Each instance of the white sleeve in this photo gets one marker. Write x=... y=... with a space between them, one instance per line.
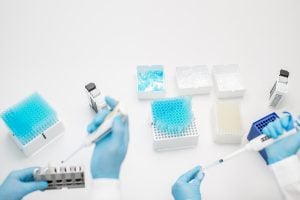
x=287 y=173
x=106 y=189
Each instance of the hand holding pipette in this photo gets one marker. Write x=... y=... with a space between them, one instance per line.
x=101 y=125
x=286 y=147
x=288 y=128
x=187 y=186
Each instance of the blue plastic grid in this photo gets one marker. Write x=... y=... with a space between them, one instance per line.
x=257 y=127
x=29 y=118
x=172 y=114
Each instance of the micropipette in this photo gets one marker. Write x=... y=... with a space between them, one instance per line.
x=102 y=130
x=257 y=144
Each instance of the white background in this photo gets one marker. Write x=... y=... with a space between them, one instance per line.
x=56 y=47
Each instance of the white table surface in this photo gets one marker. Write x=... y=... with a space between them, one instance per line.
x=56 y=47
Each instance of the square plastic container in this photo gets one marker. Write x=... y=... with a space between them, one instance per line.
x=165 y=141
x=150 y=81
x=228 y=82
x=41 y=141
x=32 y=124
x=193 y=80
x=257 y=127
x=227 y=122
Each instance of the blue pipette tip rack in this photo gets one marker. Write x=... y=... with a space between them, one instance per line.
x=173 y=124
x=30 y=121
x=172 y=114
x=257 y=127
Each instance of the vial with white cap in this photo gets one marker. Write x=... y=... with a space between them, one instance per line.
x=279 y=89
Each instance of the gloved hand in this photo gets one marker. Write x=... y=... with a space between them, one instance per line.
x=20 y=183
x=283 y=148
x=109 y=152
x=187 y=187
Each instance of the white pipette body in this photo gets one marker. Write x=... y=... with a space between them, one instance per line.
x=262 y=141
x=103 y=129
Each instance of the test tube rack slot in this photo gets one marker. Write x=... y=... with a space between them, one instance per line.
x=61 y=177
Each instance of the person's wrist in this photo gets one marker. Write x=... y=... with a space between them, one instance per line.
x=274 y=157
x=106 y=174
x=273 y=160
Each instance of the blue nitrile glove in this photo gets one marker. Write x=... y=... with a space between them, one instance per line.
x=20 y=183
x=110 y=151
x=187 y=187
x=283 y=148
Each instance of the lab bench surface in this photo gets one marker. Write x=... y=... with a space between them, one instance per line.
x=56 y=47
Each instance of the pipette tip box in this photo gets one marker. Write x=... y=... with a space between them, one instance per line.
x=227 y=122
x=150 y=81
x=33 y=124
x=257 y=127
x=192 y=80
x=228 y=81
x=173 y=112
x=59 y=177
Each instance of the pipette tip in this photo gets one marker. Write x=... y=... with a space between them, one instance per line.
x=72 y=154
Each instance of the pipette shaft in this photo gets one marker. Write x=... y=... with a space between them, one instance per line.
x=103 y=129
x=226 y=158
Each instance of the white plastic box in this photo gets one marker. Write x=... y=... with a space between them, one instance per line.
x=228 y=81
x=193 y=80
x=32 y=124
x=156 y=87
x=227 y=122
x=163 y=141
x=41 y=141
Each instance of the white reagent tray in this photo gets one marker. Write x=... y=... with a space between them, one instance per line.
x=227 y=123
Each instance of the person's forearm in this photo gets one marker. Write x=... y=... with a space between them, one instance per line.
x=106 y=189
x=287 y=173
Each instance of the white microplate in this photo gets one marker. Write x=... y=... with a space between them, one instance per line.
x=228 y=81
x=227 y=122
x=193 y=80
